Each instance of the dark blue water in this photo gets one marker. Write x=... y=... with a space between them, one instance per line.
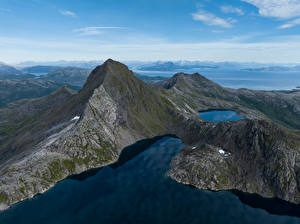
x=139 y=192
x=220 y=115
x=285 y=80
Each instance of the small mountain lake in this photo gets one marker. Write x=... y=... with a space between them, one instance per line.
x=137 y=191
x=220 y=115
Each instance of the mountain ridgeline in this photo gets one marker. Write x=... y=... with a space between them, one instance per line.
x=45 y=140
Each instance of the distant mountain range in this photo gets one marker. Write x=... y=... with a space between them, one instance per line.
x=13 y=90
x=273 y=69
x=71 y=76
x=7 y=69
x=79 y=64
x=47 y=67
x=15 y=76
x=40 y=69
x=171 y=66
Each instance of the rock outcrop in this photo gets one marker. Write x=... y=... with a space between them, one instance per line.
x=254 y=156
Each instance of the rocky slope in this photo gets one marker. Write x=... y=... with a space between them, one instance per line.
x=254 y=156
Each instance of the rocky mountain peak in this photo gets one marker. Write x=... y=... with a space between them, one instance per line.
x=181 y=79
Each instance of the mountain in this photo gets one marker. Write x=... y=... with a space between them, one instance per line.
x=44 y=140
x=7 y=69
x=197 y=92
x=14 y=76
x=78 y=64
x=17 y=89
x=44 y=145
x=253 y=155
x=70 y=76
x=273 y=69
x=40 y=69
x=150 y=79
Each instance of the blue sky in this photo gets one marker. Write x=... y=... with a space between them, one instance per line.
x=208 y=30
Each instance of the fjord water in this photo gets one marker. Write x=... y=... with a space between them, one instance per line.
x=220 y=115
x=256 y=80
x=139 y=191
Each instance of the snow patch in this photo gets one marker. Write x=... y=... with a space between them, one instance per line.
x=194 y=147
x=224 y=153
x=75 y=118
x=221 y=151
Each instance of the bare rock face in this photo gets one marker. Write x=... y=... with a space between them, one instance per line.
x=253 y=156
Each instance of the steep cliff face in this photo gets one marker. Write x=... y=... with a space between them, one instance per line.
x=114 y=109
x=254 y=156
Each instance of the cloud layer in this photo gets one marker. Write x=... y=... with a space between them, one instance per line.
x=231 y=9
x=290 y=24
x=211 y=19
x=281 y=9
x=95 y=30
x=68 y=13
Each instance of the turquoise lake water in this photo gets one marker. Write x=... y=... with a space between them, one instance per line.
x=218 y=116
x=139 y=191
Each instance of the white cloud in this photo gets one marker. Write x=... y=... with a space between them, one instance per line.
x=217 y=31
x=282 y=9
x=290 y=24
x=95 y=30
x=212 y=20
x=231 y=9
x=68 y=13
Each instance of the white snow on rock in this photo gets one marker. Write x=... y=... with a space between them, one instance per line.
x=75 y=118
x=224 y=153
x=194 y=147
x=221 y=151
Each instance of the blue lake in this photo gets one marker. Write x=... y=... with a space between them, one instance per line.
x=139 y=191
x=220 y=115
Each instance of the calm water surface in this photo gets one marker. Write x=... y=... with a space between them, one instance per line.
x=220 y=115
x=236 y=79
